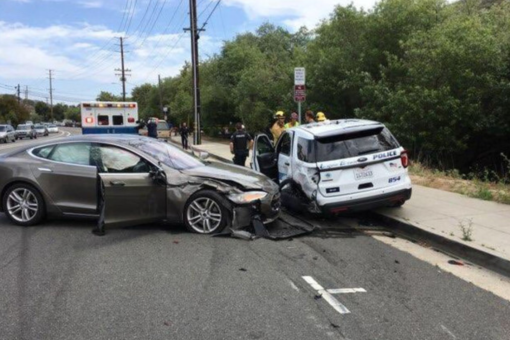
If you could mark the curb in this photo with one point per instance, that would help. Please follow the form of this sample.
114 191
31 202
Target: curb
446 245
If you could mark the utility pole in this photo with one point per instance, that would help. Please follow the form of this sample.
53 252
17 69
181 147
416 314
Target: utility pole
26 94
194 65
122 70
18 94
51 96
160 97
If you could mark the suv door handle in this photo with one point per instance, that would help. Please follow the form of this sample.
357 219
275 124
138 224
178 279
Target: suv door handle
117 183
287 163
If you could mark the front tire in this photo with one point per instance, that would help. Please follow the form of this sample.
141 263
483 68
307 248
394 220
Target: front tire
205 213
23 205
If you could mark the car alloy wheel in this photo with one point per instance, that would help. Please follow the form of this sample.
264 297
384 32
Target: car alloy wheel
204 213
23 205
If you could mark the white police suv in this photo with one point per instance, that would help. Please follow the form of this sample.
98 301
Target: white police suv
336 166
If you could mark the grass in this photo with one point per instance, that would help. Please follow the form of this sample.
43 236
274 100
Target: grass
476 186
467 230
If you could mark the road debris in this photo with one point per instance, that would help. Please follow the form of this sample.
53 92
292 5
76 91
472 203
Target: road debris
456 263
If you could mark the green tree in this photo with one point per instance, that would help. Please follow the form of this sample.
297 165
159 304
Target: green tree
105 96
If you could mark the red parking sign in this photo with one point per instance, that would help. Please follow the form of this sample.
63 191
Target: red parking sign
299 93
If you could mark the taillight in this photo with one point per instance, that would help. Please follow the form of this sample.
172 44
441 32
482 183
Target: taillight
89 120
404 158
131 120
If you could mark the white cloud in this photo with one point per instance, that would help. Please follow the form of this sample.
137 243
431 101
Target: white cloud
83 57
301 12
91 4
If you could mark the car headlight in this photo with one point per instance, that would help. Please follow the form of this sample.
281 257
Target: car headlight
247 197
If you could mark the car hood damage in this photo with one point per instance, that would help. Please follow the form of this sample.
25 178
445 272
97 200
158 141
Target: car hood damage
230 174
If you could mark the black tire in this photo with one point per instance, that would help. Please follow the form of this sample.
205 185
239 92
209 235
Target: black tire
201 197
292 196
37 197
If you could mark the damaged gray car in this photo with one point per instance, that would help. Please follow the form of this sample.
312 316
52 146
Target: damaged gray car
125 180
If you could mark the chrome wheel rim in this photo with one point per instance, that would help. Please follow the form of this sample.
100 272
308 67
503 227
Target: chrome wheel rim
22 205
204 215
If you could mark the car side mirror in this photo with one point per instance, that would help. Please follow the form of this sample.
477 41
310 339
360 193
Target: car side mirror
158 176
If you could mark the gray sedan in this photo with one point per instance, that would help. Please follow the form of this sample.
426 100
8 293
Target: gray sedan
127 180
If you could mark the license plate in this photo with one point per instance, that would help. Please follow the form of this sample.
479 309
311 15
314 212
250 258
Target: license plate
360 174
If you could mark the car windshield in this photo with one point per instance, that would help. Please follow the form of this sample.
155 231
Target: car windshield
23 127
168 154
52 126
39 126
2 128
162 126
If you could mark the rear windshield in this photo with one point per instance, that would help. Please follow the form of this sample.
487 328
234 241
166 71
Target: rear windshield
162 126
23 127
346 145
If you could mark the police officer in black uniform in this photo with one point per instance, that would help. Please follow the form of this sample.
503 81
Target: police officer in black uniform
240 143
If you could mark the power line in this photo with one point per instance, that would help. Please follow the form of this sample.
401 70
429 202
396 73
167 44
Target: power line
210 14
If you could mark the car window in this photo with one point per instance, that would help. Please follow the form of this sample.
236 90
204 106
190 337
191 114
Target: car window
103 120
305 150
355 144
75 153
167 154
43 152
162 126
23 127
285 144
118 120
264 145
117 160
2 128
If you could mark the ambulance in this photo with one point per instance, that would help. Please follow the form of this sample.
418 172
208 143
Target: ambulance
109 117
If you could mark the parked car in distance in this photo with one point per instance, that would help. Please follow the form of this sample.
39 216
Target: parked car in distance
52 128
336 166
25 131
41 130
145 180
7 134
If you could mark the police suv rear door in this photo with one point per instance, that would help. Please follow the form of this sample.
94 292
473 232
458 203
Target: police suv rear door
361 161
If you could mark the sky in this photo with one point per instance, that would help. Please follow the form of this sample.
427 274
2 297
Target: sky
78 40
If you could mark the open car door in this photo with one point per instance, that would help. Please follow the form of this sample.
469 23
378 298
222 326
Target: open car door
264 158
131 193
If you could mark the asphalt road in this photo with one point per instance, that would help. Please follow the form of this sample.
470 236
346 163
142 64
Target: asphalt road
59 281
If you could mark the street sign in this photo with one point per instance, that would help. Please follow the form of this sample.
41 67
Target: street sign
299 76
299 93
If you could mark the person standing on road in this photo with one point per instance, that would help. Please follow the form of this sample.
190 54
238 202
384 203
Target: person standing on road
278 126
240 145
309 118
184 136
293 121
152 129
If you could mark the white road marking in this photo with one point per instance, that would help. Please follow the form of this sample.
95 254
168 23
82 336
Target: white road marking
293 285
346 290
326 295
448 331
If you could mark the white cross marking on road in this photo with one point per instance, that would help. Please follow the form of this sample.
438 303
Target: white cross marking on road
326 294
